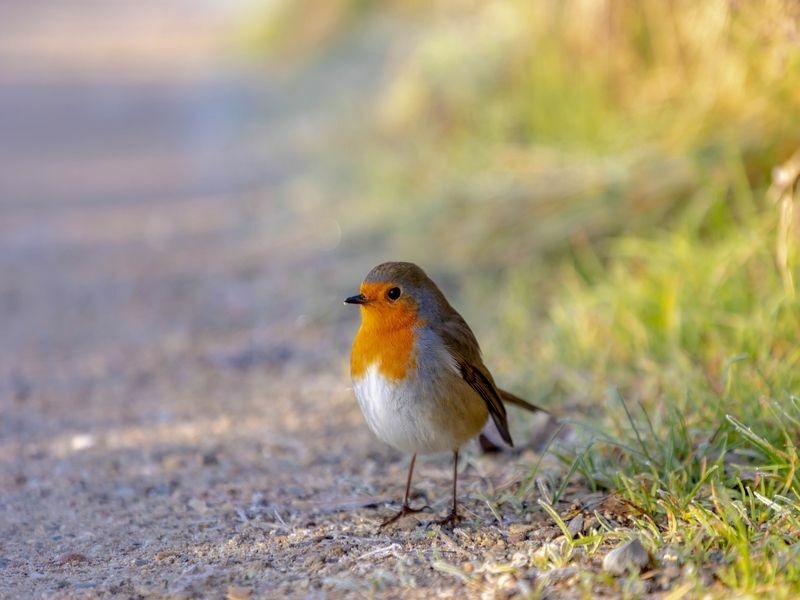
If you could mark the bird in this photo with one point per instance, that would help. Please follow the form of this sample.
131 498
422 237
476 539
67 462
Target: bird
418 374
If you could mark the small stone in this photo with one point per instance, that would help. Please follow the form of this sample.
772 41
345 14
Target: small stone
160 489
81 441
506 581
524 589
575 526
518 532
631 556
545 534
198 505
125 492
519 559
238 592
72 558
173 462
407 523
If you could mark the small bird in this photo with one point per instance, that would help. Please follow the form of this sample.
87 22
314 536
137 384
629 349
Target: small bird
417 371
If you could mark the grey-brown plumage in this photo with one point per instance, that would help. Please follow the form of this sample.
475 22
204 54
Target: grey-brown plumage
438 393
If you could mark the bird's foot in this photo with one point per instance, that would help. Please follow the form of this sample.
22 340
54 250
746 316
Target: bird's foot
451 519
404 510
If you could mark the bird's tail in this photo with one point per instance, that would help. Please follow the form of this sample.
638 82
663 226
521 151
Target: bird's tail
486 442
510 398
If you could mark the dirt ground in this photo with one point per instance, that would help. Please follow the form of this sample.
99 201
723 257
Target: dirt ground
176 413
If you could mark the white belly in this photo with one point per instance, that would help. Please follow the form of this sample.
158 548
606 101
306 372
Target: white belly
435 412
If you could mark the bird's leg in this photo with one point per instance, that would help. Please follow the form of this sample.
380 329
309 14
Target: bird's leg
405 509
453 517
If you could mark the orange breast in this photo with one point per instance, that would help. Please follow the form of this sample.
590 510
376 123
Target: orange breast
385 341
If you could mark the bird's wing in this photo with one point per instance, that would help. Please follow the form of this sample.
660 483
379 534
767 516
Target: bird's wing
464 349
482 384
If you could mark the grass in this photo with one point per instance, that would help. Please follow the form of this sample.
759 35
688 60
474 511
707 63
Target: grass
600 179
689 343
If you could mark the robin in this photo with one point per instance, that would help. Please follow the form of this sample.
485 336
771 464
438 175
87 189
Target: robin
417 371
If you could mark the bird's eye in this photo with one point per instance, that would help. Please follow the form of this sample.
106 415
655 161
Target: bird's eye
393 294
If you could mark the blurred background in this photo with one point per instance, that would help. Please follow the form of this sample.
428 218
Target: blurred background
605 187
188 188
149 167
589 179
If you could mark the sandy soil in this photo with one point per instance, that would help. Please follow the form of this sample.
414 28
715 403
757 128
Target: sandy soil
176 412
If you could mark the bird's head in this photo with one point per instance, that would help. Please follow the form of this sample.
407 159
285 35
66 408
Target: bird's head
397 294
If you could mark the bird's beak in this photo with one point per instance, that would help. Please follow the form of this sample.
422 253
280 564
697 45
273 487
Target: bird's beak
358 299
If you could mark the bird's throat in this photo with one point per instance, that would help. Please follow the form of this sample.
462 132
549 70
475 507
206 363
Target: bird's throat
385 340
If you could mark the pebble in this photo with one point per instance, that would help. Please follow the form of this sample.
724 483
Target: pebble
575 526
198 505
546 534
72 558
506 581
81 441
519 559
631 556
210 459
125 492
160 489
238 592
518 532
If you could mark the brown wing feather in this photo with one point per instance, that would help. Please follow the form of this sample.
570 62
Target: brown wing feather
485 387
463 346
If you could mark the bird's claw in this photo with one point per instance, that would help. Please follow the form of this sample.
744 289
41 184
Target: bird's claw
404 510
451 519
